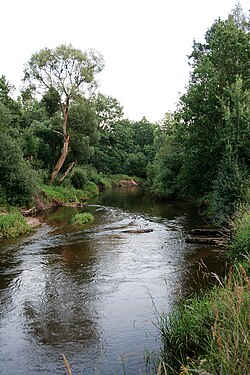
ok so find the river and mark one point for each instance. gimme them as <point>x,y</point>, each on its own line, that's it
<point>95,293</point>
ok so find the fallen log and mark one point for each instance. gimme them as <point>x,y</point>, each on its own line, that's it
<point>219,241</point>
<point>207,232</point>
<point>137,230</point>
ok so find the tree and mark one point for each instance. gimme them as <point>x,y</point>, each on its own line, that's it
<point>17,182</point>
<point>216,64</point>
<point>108,109</point>
<point>66,73</point>
<point>83,131</point>
<point>6,91</point>
<point>163,172</point>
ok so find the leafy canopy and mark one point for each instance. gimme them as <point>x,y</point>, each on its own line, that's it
<point>67,69</point>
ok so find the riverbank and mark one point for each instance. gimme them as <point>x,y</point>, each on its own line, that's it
<point>16,221</point>
<point>209,333</point>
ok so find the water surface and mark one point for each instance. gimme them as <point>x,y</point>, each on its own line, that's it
<point>94,293</point>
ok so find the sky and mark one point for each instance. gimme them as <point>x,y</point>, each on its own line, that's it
<point>145,43</point>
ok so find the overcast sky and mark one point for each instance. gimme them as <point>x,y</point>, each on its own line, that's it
<point>145,43</point>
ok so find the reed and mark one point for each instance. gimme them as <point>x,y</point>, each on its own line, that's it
<point>210,334</point>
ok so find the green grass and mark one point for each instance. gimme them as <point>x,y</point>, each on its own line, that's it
<point>210,334</point>
<point>61,195</point>
<point>82,218</point>
<point>240,246</point>
<point>12,224</point>
<point>64,194</point>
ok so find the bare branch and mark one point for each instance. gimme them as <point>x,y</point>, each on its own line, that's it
<point>57,132</point>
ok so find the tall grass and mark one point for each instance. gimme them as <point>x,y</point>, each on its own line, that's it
<point>240,246</point>
<point>210,334</point>
<point>61,194</point>
<point>12,224</point>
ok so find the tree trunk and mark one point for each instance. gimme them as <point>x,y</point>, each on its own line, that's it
<point>65,148</point>
<point>67,171</point>
<point>61,160</point>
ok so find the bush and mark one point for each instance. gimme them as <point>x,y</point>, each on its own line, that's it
<point>79,178</point>
<point>229,188</point>
<point>18,181</point>
<point>81,219</point>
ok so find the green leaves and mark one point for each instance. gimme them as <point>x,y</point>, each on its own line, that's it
<point>205,147</point>
<point>66,69</point>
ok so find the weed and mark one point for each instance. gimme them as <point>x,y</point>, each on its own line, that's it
<point>211,334</point>
<point>82,218</point>
<point>12,224</point>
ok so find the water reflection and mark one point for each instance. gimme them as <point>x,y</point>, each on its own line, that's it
<point>91,292</point>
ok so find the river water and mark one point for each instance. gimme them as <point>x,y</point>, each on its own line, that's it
<point>95,293</point>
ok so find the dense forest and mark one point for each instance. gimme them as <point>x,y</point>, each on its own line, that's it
<point>61,130</point>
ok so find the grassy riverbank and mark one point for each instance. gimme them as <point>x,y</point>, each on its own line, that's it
<point>14,224</point>
<point>210,333</point>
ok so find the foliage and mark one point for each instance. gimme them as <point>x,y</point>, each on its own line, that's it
<point>6,91</point>
<point>208,130</point>
<point>229,190</point>
<point>82,218</point>
<point>163,172</point>
<point>60,194</point>
<point>108,110</point>
<point>203,149</point>
<point>62,75</point>
<point>127,148</point>
<point>17,179</point>
<point>210,333</point>
<point>65,70</point>
<point>12,224</point>
<point>240,246</point>
<point>79,178</point>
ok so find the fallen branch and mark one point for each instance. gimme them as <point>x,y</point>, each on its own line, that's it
<point>207,232</point>
<point>218,241</point>
<point>137,230</point>
<point>67,365</point>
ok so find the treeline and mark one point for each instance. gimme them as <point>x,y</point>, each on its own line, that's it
<point>204,148</point>
<point>65,136</point>
<point>61,130</point>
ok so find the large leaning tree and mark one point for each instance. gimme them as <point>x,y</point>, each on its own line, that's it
<point>67,71</point>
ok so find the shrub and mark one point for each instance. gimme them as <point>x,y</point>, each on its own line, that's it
<point>18,181</point>
<point>229,188</point>
<point>82,218</point>
<point>79,178</point>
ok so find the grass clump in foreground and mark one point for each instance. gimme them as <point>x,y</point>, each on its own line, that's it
<point>82,218</point>
<point>12,224</point>
<point>210,334</point>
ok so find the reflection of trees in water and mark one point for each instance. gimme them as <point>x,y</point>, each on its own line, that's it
<point>136,200</point>
<point>64,311</point>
